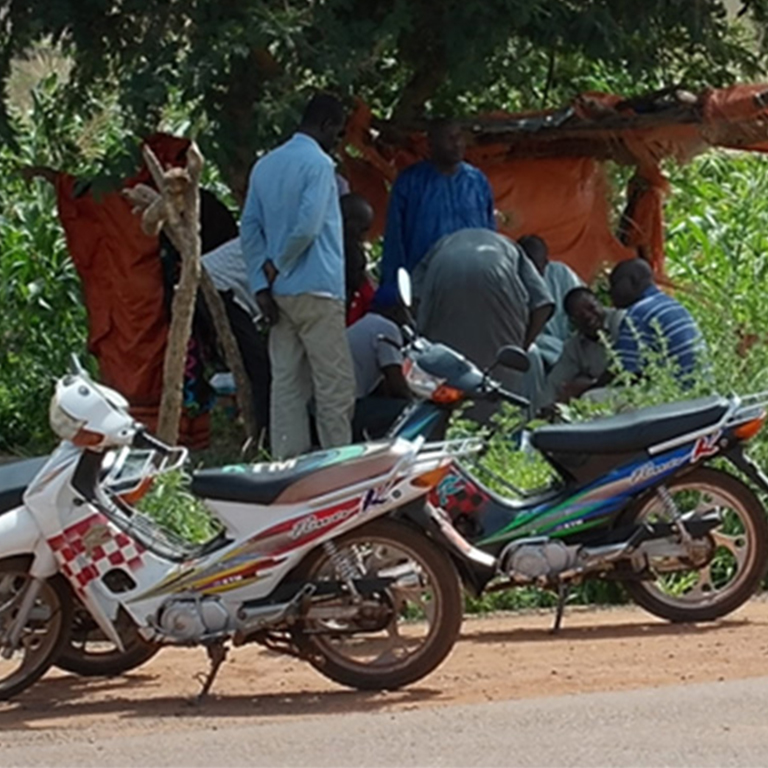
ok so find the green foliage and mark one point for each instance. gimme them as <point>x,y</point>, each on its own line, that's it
<point>44,319</point>
<point>170,504</point>
<point>717,251</point>
<point>243,69</point>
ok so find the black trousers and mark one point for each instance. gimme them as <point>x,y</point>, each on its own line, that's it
<point>255,353</point>
<point>374,416</point>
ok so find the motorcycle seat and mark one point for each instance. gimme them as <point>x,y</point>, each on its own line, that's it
<point>300,479</point>
<point>633,431</point>
<point>14,479</point>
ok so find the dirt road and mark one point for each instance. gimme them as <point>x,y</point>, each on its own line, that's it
<point>498,658</point>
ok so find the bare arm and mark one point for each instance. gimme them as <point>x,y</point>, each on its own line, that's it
<point>394,382</point>
<point>537,320</point>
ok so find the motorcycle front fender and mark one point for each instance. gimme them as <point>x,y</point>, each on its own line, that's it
<point>20,535</point>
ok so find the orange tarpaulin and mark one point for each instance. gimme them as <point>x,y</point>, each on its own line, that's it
<point>119,267</point>
<point>546,168</point>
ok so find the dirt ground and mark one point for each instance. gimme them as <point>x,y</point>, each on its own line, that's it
<point>498,657</point>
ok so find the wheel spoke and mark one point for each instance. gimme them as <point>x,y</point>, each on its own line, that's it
<point>38,635</point>
<point>704,587</point>
<point>736,545</point>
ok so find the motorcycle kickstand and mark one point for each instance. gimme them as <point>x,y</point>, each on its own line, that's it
<point>563,590</point>
<point>217,653</point>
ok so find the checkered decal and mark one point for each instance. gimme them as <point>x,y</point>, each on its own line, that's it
<point>92,547</point>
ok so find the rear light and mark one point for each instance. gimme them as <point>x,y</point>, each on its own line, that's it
<point>749,429</point>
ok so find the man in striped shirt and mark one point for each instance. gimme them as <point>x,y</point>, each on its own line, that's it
<point>654,321</point>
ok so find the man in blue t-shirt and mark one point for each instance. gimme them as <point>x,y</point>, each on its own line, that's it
<point>654,321</point>
<point>434,198</point>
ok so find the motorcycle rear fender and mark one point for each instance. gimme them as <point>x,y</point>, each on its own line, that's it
<point>20,535</point>
<point>741,461</point>
<point>475,567</point>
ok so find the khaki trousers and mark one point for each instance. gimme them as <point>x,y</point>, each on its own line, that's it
<point>309,353</point>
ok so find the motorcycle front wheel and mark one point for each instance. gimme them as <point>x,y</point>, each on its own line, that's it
<point>407,628</point>
<point>735,557</point>
<point>90,654</point>
<point>45,632</point>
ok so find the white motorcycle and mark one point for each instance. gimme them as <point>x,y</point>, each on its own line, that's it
<point>305,563</point>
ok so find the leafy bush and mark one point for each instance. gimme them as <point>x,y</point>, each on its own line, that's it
<point>44,319</point>
<point>170,504</point>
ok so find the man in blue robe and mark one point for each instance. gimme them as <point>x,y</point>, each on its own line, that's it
<point>434,198</point>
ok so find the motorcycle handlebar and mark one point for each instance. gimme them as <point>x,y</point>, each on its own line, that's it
<point>498,392</point>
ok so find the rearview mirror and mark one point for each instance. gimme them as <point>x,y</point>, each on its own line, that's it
<point>514,358</point>
<point>404,287</point>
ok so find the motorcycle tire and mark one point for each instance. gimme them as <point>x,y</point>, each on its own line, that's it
<point>394,664</point>
<point>89,654</point>
<point>739,550</point>
<point>46,631</point>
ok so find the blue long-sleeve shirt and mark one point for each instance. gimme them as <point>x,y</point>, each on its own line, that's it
<point>292,217</point>
<point>425,205</point>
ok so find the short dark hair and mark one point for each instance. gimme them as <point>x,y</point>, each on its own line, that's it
<point>323,107</point>
<point>638,270</point>
<point>536,250</point>
<point>532,245</point>
<point>353,202</point>
<point>574,295</point>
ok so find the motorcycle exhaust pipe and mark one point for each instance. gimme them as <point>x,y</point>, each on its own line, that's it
<point>252,619</point>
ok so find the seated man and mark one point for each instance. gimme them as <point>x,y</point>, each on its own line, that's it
<point>548,346</point>
<point>375,342</point>
<point>226,267</point>
<point>560,280</point>
<point>583,365</point>
<point>654,321</point>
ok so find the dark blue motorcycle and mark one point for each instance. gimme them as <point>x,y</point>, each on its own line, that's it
<point>636,498</point>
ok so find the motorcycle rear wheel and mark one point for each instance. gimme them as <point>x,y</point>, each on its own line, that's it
<point>90,654</point>
<point>45,633</point>
<point>738,560</point>
<point>420,616</point>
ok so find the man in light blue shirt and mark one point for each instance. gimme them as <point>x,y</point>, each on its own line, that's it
<point>292,240</point>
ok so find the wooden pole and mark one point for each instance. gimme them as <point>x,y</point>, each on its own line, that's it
<point>175,208</point>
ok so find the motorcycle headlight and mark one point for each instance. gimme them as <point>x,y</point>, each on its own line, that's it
<point>421,383</point>
<point>67,427</point>
<point>64,426</point>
